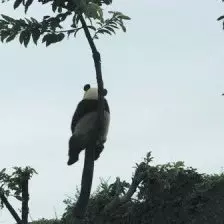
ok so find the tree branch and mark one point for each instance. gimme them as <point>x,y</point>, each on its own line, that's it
<point>10,208</point>
<point>117,201</point>
<point>87,175</point>
<point>25,200</point>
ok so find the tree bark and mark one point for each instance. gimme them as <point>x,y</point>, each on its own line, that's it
<point>10,208</point>
<point>25,200</point>
<point>87,175</point>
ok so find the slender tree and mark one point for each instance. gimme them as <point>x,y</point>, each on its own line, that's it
<point>16,185</point>
<point>87,15</point>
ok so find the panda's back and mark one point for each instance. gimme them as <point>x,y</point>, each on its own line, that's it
<point>87,109</point>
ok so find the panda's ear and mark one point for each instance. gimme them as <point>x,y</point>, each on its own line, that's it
<point>104,92</point>
<point>86,87</point>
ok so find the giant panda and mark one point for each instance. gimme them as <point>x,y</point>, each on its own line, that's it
<point>84,120</point>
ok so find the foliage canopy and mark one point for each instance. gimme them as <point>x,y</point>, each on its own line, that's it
<point>51,30</point>
<point>169,193</point>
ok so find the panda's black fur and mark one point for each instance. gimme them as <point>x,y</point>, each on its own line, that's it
<point>84,107</point>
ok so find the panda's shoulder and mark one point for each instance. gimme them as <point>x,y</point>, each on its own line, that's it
<point>86,106</point>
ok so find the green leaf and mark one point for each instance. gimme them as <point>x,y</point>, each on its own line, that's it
<point>94,11</point>
<point>3,170</point>
<point>17,3</point>
<point>63,16</point>
<point>34,20</point>
<point>21,22</point>
<point>104,31</point>
<point>113,23</point>
<point>46,17</point>
<point>60,37</point>
<point>54,6</point>
<point>110,29</point>
<point>115,27</point>
<point>49,42</point>
<point>18,197</point>
<point>73,26</point>
<point>99,23</point>
<point>11,37</point>
<point>124,17</point>
<point>92,28</point>
<point>107,2</point>
<point>22,36</point>
<point>122,25</point>
<point>4,23</point>
<point>8,19</point>
<point>28,4</point>
<point>70,32</point>
<point>123,28</point>
<point>81,4</point>
<point>28,21</point>
<point>60,9</point>
<point>76,31</point>
<point>36,35</point>
<point>52,38</point>
<point>75,21</point>
<point>27,38</point>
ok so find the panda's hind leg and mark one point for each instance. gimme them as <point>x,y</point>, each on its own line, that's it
<point>75,147</point>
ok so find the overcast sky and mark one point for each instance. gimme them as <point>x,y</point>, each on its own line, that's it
<point>164,78</point>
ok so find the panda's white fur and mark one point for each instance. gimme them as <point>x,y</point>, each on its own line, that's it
<point>91,94</point>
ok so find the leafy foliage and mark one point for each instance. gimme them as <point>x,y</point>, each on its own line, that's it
<point>50,29</point>
<point>109,25</point>
<point>169,193</point>
<point>10,184</point>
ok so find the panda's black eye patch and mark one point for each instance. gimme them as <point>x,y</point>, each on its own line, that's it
<point>86,87</point>
<point>104,92</point>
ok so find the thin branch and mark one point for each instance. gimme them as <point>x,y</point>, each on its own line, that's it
<point>118,201</point>
<point>89,38</point>
<point>87,176</point>
<point>99,78</point>
<point>10,208</point>
<point>66,31</point>
<point>69,30</point>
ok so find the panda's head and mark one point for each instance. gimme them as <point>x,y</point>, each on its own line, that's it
<point>91,93</point>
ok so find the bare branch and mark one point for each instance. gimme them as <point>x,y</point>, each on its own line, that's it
<point>25,200</point>
<point>118,201</point>
<point>86,184</point>
<point>10,208</point>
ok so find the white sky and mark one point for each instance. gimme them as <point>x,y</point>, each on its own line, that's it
<point>164,78</point>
